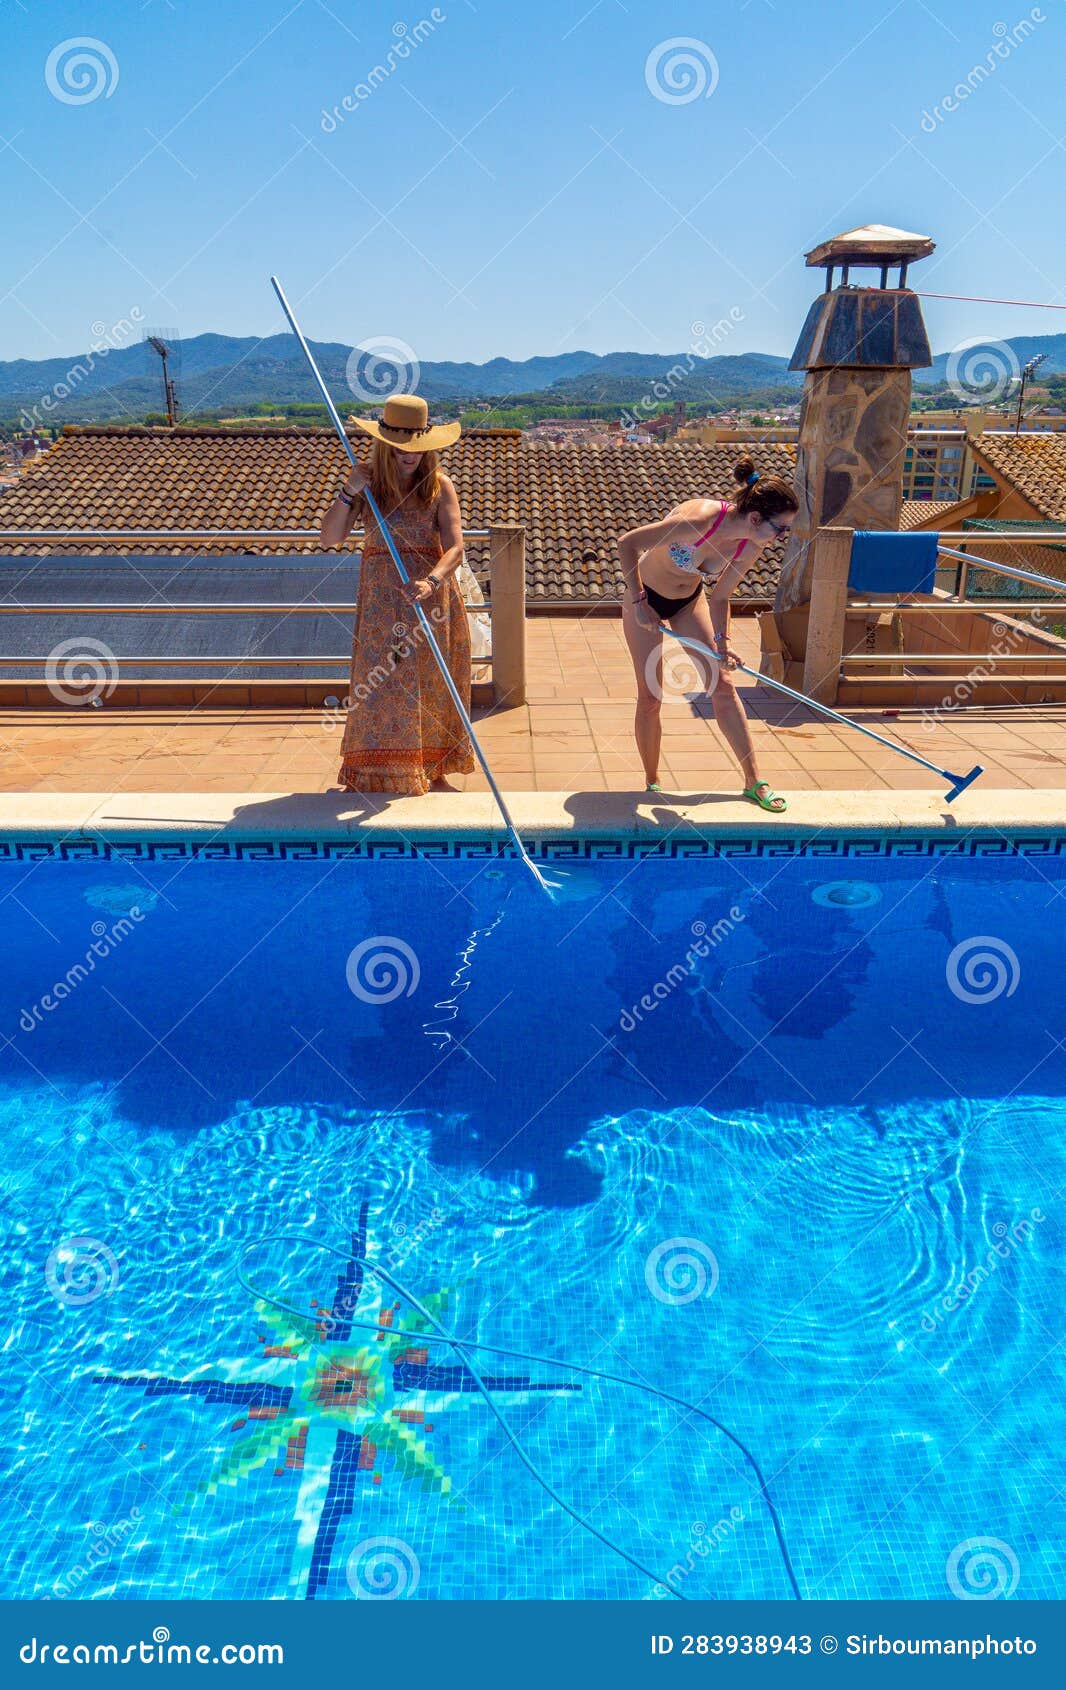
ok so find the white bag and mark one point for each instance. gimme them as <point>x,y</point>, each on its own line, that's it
<point>480,625</point>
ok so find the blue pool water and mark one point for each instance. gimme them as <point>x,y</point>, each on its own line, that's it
<point>781,1136</point>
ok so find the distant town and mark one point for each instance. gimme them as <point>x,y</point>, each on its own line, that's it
<point>938,464</point>
<point>132,379</point>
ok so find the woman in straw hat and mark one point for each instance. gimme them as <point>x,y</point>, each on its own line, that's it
<point>403,733</point>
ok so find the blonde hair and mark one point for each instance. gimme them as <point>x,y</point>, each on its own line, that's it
<point>383,473</point>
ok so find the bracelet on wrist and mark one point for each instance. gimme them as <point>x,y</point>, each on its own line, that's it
<point>346,498</point>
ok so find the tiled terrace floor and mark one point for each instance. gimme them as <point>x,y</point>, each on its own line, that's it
<point>573,734</point>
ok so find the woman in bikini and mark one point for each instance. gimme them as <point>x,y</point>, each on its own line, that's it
<point>666,565</point>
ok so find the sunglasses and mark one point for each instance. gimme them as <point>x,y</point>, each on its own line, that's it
<point>779,528</point>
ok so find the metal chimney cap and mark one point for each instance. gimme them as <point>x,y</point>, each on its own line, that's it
<point>874,243</point>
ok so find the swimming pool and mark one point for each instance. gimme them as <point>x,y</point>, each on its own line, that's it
<point>777,1130</point>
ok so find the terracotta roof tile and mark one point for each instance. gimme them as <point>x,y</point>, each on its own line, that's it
<point>573,499</point>
<point>917,511</point>
<point>1033,464</point>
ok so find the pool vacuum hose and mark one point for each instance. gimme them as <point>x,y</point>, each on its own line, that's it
<point>463,1346</point>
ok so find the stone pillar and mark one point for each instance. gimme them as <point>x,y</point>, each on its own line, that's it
<point>507,610</point>
<point>849,463</point>
<point>828,613</point>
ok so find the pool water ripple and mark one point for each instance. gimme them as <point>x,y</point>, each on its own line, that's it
<point>809,1188</point>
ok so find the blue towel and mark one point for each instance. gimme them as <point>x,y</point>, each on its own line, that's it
<point>892,563</point>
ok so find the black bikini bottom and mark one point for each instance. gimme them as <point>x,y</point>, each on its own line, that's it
<point>665,608</point>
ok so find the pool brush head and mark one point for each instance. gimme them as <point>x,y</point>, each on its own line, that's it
<point>962,782</point>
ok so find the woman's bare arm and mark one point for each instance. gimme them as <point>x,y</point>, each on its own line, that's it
<point>341,517</point>
<point>450,522</point>
<point>718,599</point>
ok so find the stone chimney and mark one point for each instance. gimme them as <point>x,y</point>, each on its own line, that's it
<point>858,346</point>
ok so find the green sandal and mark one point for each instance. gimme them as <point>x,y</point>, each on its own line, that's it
<point>653,786</point>
<point>766,799</point>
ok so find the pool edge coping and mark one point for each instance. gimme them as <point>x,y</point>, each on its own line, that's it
<point>338,816</point>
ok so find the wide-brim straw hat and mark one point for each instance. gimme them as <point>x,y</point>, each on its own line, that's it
<point>405,424</point>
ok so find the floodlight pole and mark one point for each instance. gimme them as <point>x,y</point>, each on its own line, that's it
<point>1027,370</point>
<point>160,346</point>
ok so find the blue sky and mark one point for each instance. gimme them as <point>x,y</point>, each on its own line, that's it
<point>513,185</point>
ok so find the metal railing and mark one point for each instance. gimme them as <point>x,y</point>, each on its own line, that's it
<point>964,659</point>
<point>959,604</point>
<point>174,534</point>
<point>828,664</point>
<point>198,609</point>
<point>128,533</point>
<point>967,563</point>
<point>212,608</point>
<point>204,659</point>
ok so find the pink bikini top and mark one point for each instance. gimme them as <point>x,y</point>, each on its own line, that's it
<point>682,556</point>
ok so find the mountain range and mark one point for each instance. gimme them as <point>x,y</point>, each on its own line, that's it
<point>225,372</point>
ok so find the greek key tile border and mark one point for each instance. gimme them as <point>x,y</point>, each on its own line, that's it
<point>565,849</point>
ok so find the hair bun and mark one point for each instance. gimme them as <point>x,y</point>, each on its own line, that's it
<point>743,470</point>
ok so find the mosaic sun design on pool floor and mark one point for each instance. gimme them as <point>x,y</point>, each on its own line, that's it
<point>352,1413</point>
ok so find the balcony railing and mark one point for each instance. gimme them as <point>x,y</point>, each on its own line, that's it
<point>505,608</point>
<point>828,664</point>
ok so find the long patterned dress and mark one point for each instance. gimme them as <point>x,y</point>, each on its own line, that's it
<point>402,730</point>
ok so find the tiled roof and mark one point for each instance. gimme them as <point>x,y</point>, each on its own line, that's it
<point>915,512</point>
<point>573,499</point>
<point>1033,464</point>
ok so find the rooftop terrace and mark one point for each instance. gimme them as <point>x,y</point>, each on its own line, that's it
<point>574,734</point>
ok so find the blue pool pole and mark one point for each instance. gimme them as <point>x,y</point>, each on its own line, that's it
<point>402,572</point>
<point>959,783</point>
